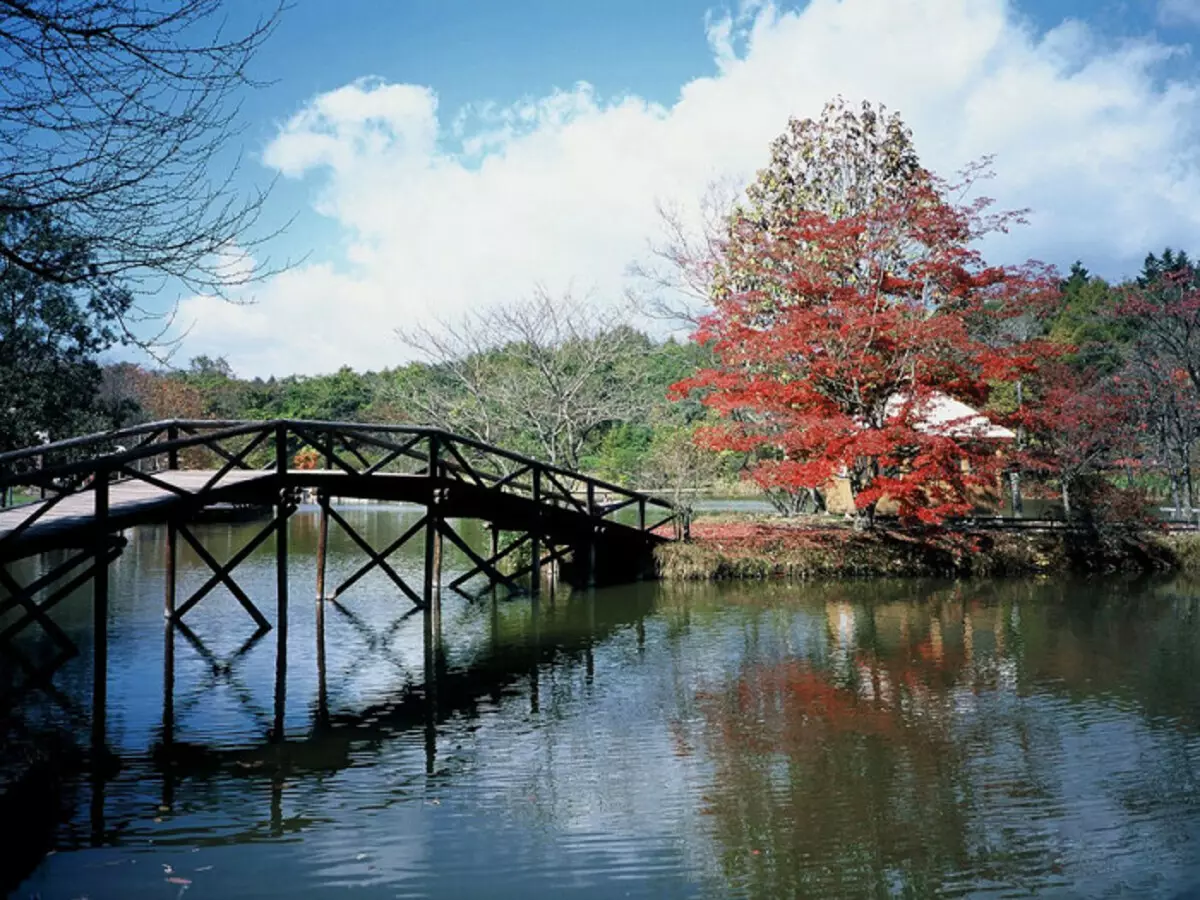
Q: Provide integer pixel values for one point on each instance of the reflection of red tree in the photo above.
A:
(773, 708)
(832, 786)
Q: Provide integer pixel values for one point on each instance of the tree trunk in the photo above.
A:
(1066, 499)
(1014, 478)
(1175, 502)
(864, 517)
(1188, 504)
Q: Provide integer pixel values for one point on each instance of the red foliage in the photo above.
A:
(844, 332)
(1081, 424)
(306, 459)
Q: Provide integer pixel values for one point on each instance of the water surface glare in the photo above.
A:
(841, 739)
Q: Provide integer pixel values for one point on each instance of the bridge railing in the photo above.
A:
(359, 449)
(47, 474)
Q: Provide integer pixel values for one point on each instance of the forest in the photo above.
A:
(840, 295)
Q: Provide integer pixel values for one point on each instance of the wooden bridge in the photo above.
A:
(79, 495)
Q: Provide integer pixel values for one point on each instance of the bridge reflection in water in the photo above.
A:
(353, 674)
(72, 503)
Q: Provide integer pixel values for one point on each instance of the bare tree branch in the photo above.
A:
(115, 117)
(546, 373)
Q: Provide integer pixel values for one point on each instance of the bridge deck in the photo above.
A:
(71, 521)
(130, 502)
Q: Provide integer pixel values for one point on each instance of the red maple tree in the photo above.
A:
(836, 339)
(1080, 424)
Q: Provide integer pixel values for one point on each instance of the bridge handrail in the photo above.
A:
(483, 447)
(213, 430)
(101, 437)
(115, 459)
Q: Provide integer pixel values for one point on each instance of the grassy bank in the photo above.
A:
(776, 548)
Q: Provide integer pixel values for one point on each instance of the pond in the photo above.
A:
(841, 739)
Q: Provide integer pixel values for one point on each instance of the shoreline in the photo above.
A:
(781, 549)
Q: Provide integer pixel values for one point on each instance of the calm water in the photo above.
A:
(859, 739)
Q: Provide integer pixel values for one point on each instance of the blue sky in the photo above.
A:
(442, 155)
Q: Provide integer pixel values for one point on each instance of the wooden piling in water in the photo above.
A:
(281, 604)
(100, 620)
(535, 539)
(322, 543)
(169, 562)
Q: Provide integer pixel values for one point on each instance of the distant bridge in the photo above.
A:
(79, 495)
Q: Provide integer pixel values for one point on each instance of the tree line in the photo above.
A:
(834, 301)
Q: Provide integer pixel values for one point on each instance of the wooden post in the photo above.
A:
(492, 582)
(591, 547)
(281, 452)
(169, 566)
(322, 722)
(433, 532)
(168, 714)
(432, 674)
(433, 559)
(173, 453)
(535, 538)
(100, 619)
(590, 660)
(535, 627)
(322, 543)
(281, 594)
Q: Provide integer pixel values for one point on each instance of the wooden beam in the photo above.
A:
(60, 593)
(466, 466)
(237, 460)
(556, 554)
(224, 576)
(224, 573)
(377, 559)
(480, 563)
(18, 592)
(493, 559)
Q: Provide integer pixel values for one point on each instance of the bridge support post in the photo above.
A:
(433, 532)
(282, 511)
(535, 538)
(170, 556)
(322, 722)
(322, 542)
(495, 533)
(100, 621)
(168, 711)
(591, 546)
(432, 673)
(433, 559)
(535, 657)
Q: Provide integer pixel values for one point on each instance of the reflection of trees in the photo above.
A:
(932, 733)
(826, 789)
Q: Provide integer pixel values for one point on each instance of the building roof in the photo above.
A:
(942, 414)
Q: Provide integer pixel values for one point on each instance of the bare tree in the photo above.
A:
(546, 373)
(680, 468)
(115, 117)
(676, 281)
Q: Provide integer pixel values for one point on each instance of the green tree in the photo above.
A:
(1086, 320)
(50, 333)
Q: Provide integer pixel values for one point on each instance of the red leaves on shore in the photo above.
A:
(835, 339)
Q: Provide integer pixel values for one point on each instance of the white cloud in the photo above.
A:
(1175, 12)
(444, 212)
